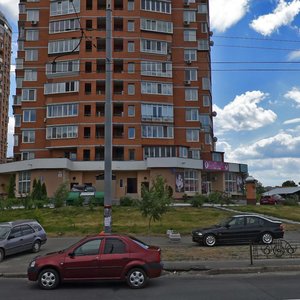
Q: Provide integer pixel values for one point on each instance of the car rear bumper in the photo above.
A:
(154, 269)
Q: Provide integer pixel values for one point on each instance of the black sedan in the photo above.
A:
(240, 229)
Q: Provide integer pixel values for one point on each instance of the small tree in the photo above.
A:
(289, 183)
(155, 201)
(61, 195)
(11, 187)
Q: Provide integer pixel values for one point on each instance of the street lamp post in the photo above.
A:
(108, 123)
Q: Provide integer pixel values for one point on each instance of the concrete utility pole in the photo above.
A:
(108, 123)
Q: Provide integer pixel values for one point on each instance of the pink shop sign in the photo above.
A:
(216, 165)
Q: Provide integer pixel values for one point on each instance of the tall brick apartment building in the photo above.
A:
(162, 118)
(5, 50)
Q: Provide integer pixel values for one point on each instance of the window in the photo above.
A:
(131, 89)
(157, 88)
(157, 112)
(18, 119)
(190, 55)
(204, 27)
(61, 132)
(183, 152)
(89, 5)
(156, 6)
(217, 156)
(130, 47)
(130, 5)
(206, 83)
(192, 135)
(63, 46)
(191, 114)
(191, 181)
(61, 87)
(190, 74)
(156, 26)
(89, 248)
(28, 136)
(131, 133)
(16, 140)
(206, 101)
(62, 110)
(203, 45)
(87, 132)
(189, 35)
(87, 88)
(28, 94)
(29, 115)
(194, 153)
(16, 232)
(88, 67)
(159, 151)
(154, 46)
(30, 75)
(24, 182)
(157, 131)
(131, 153)
(191, 94)
(28, 155)
(130, 25)
(230, 182)
(189, 16)
(62, 67)
(64, 25)
(202, 8)
(114, 246)
(31, 55)
(158, 69)
(32, 35)
(33, 15)
(26, 229)
(131, 110)
(208, 139)
(64, 7)
(131, 67)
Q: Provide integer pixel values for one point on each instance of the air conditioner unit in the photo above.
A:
(34, 23)
(187, 82)
(186, 3)
(186, 23)
(211, 43)
(188, 61)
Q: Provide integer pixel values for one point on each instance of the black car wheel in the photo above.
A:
(36, 246)
(48, 279)
(1, 255)
(267, 238)
(136, 278)
(210, 240)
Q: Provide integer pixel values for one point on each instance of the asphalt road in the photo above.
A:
(246, 287)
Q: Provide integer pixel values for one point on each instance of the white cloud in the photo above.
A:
(243, 113)
(10, 9)
(292, 121)
(294, 55)
(294, 95)
(226, 13)
(283, 14)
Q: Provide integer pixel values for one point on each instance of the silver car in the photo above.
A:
(19, 236)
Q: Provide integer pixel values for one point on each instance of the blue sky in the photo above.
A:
(256, 84)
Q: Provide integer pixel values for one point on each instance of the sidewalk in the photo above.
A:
(16, 266)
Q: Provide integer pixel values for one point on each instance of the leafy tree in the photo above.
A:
(11, 187)
(259, 190)
(61, 194)
(289, 183)
(155, 201)
(44, 191)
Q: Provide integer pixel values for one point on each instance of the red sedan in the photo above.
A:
(99, 257)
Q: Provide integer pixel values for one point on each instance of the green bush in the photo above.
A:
(291, 201)
(198, 200)
(60, 195)
(127, 201)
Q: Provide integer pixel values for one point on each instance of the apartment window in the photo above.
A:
(157, 131)
(87, 88)
(28, 94)
(18, 119)
(31, 55)
(28, 136)
(183, 152)
(89, 24)
(159, 151)
(130, 25)
(87, 132)
(30, 75)
(190, 55)
(88, 67)
(88, 46)
(192, 135)
(155, 112)
(203, 45)
(206, 101)
(130, 47)
(204, 27)
(64, 25)
(131, 67)
(61, 132)
(16, 140)
(157, 88)
(131, 110)
(89, 5)
(24, 182)
(29, 115)
(64, 7)
(33, 15)
(131, 133)
(156, 26)
(205, 120)
(189, 16)
(206, 83)
(158, 69)
(156, 6)
(189, 35)
(63, 46)
(32, 35)
(131, 89)
(27, 155)
(62, 110)
(87, 110)
(230, 182)
(154, 46)
(208, 139)
(19, 82)
(86, 154)
(131, 153)
(191, 114)
(194, 153)
(191, 94)
(62, 67)
(190, 74)
(191, 181)
(217, 156)
(202, 8)
(130, 5)
(61, 87)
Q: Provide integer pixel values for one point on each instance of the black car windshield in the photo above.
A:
(4, 230)
(224, 222)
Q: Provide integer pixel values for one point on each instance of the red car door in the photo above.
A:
(114, 258)
(83, 261)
